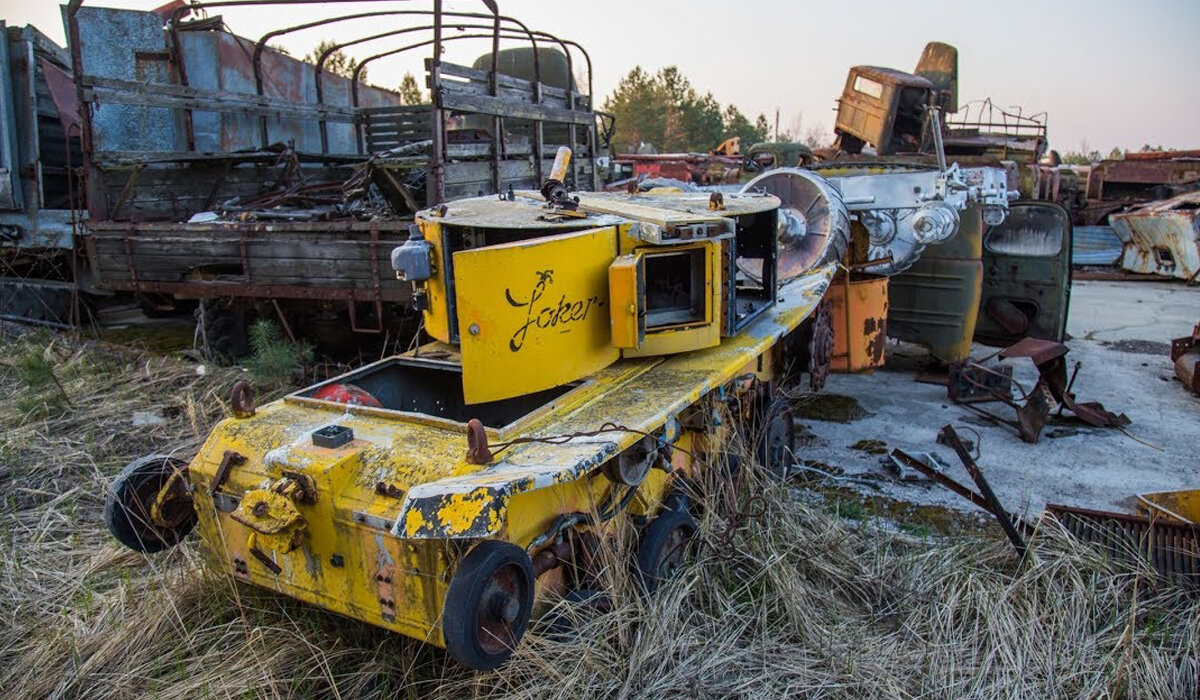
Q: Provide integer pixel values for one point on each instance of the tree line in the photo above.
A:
(664, 109)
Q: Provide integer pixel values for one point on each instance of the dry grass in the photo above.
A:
(789, 601)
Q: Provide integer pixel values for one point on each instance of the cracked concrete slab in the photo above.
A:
(1094, 467)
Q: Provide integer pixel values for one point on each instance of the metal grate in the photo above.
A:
(1171, 547)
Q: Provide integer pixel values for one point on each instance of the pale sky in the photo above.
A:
(1111, 72)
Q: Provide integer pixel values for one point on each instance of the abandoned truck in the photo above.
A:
(591, 354)
(39, 148)
(217, 168)
(997, 281)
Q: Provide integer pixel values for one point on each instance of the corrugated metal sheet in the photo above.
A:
(1095, 245)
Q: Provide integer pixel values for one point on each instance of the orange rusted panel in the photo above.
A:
(860, 327)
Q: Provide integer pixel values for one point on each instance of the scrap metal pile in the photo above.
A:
(972, 383)
(387, 185)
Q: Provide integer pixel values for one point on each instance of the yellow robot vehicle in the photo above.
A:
(580, 345)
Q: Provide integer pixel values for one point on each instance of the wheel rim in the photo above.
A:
(498, 613)
(137, 509)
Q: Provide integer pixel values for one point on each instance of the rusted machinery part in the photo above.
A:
(631, 466)
(488, 604)
(1187, 368)
(1185, 355)
(241, 399)
(1168, 545)
(130, 502)
(814, 224)
(664, 548)
(820, 346)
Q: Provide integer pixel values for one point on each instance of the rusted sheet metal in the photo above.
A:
(1050, 358)
(1106, 178)
(1114, 185)
(939, 65)
(1053, 388)
(1163, 155)
(1162, 238)
(131, 45)
(1170, 546)
(120, 44)
(860, 312)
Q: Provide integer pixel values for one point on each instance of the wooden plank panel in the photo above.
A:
(485, 104)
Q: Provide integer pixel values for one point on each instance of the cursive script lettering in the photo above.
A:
(545, 316)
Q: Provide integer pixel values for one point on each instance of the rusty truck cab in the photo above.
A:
(883, 108)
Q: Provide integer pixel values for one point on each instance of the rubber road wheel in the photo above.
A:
(664, 548)
(127, 508)
(488, 604)
(775, 443)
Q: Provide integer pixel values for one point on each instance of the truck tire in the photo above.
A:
(221, 327)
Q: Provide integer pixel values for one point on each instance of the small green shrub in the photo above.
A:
(273, 358)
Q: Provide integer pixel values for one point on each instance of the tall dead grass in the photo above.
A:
(783, 599)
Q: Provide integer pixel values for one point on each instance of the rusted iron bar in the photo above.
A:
(960, 489)
(943, 479)
(995, 508)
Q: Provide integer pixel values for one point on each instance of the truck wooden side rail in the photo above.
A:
(181, 117)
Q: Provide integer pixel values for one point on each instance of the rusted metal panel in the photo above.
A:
(1162, 238)
(108, 45)
(1185, 355)
(1114, 185)
(131, 46)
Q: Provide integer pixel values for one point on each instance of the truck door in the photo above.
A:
(1026, 275)
(533, 314)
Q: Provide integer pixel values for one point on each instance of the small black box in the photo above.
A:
(332, 436)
